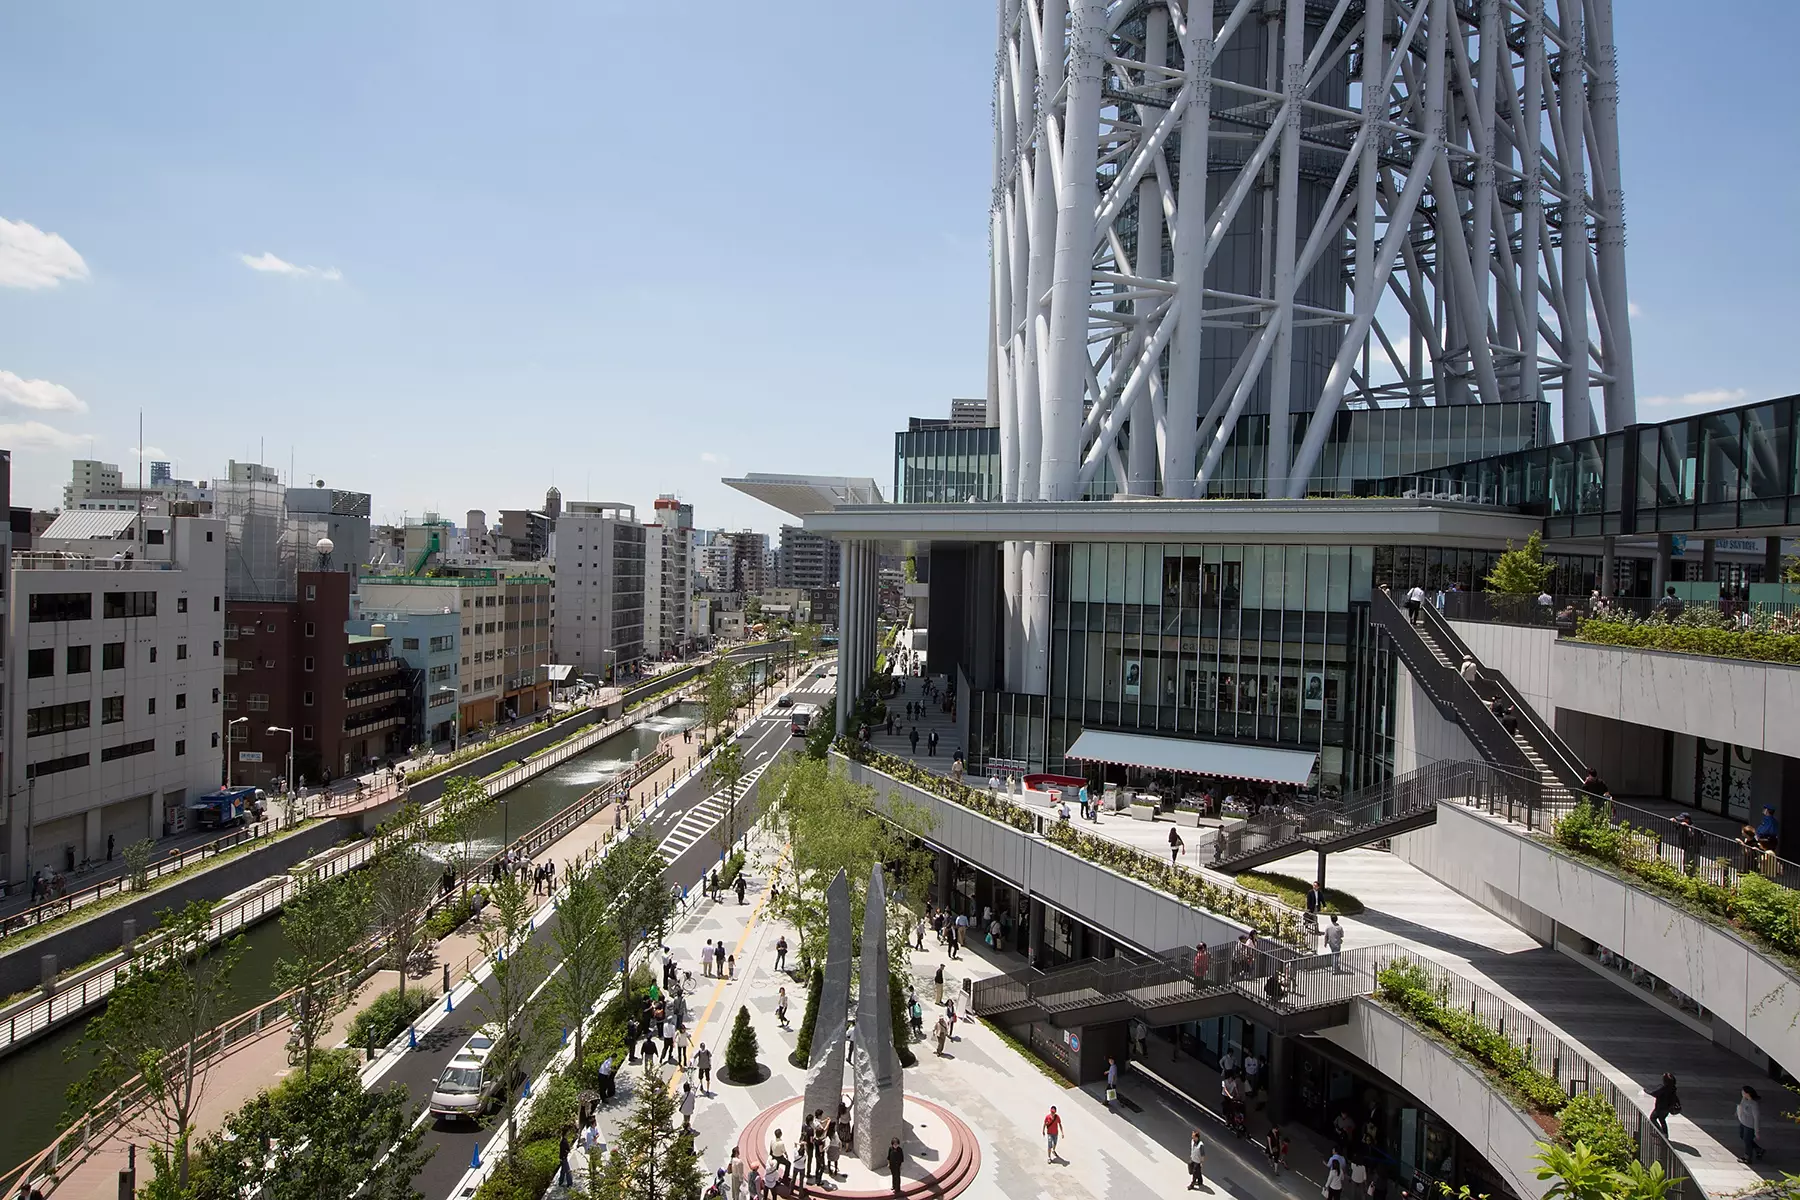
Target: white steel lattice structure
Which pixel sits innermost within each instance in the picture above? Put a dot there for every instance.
(1215, 225)
(1413, 250)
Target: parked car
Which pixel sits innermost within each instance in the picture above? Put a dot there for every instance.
(784, 701)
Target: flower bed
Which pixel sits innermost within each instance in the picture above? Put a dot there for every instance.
(975, 799)
(1409, 990)
(1769, 637)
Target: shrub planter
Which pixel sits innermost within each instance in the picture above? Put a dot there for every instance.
(1143, 812)
(1184, 815)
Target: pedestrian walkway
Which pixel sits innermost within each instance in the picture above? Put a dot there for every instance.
(999, 1090)
(1634, 1039)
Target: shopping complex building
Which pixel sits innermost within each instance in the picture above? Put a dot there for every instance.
(1264, 357)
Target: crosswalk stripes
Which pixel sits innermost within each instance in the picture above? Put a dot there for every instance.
(698, 821)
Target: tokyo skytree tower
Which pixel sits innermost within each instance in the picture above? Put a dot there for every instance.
(1218, 225)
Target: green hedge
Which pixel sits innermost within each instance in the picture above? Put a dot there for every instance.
(1761, 908)
(1410, 990)
(1590, 1119)
(1692, 639)
(448, 919)
(976, 799)
(733, 867)
(526, 1175)
(386, 1016)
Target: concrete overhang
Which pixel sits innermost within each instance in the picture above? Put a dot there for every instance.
(1298, 522)
(802, 495)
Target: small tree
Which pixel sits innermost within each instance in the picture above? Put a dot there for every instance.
(802, 1054)
(465, 801)
(137, 863)
(630, 875)
(324, 920)
(741, 1050)
(897, 1018)
(588, 945)
(508, 992)
(176, 993)
(725, 772)
(653, 1159)
(719, 695)
(321, 1135)
(1521, 571)
(400, 886)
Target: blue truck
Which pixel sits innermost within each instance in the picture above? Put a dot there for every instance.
(229, 806)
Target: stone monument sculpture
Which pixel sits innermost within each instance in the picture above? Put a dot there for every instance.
(876, 1108)
(825, 1064)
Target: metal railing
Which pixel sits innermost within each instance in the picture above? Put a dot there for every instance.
(1545, 1050)
(1694, 851)
(51, 560)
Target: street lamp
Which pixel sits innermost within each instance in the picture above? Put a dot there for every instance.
(290, 763)
(229, 725)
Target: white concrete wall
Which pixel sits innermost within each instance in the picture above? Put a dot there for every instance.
(1444, 857)
(1449, 1087)
(1519, 652)
(1422, 735)
(1487, 861)
(1720, 699)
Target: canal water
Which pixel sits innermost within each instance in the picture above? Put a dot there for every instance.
(44, 1072)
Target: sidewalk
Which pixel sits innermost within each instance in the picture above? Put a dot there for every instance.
(998, 1091)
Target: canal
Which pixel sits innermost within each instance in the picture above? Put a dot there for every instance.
(44, 1070)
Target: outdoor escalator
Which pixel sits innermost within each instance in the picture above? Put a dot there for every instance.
(1287, 990)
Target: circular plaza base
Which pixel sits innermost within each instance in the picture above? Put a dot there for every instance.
(942, 1155)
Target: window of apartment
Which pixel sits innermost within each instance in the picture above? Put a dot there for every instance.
(78, 660)
(112, 710)
(215, 598)
(466, 601)
(409, 643)
(128, 750)
(62, 606)
(180, 747)
(215, 695)
(128, 604)
(306, 664)
(153, 654)
(215, 741)
(312, 591)
(180, 700)
(153, 537)
(209, 534)
(231, 633)
(442, 642)
(306, 698)
(41, 664)
(310, 629)
(112, 656)
(215, 649)
(306, 733)
(57, 718)
(466, 631)
(259, 702)
(229, 703)
(181, 604)
(56, 766)
(465, 689)
(151, 710)
(180, 650)
(465, 660)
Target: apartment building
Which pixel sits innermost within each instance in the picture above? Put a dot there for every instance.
(668, 578)
(600, 561)
(807, 560)
(430, 646)
(115, 628)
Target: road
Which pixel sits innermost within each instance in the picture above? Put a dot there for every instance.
(681, 825)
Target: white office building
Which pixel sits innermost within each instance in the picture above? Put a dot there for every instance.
(599, 590)
(668, 577)
(114, 651)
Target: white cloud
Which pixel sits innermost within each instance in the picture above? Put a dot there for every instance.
(1632, 307)
(31, 258)
(280, 266)
(35, 435)
(707, 456)
(147, 452)
(1701, 401)
(39, 395)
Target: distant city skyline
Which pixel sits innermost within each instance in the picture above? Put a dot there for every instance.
(439, 255)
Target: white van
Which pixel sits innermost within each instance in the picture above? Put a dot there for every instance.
(467, 1088)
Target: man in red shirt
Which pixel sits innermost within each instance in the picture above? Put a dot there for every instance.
(1052, 1131)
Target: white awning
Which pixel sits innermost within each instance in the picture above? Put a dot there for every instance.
(1226, 760)
(558, 672)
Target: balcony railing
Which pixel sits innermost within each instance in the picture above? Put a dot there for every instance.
(51, 560)
(372, 724)
(373, 697)
(374, 668)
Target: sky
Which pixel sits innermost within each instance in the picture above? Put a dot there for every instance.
(451, 253)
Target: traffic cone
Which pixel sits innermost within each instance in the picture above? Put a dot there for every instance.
(475, 1159)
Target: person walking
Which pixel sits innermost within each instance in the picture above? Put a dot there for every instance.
(1749, 1120)
(931, 744)
(1202, 964)
(1469, 671)
(895, 1156)
(719, 959)
(740, 890)
(684, 1041)
(781, 1005)
(1176, 845)
(706, 959)
(1334, 1169)
(562, 1160)
(1276, 1148)
(736, 1174)
(1667, 1103)
(1112, 1084)
(687, 1106)
(1334, 942)
(1196, 1163)
(781, 949)
(1415, 599)
(1053, 1124)
(1315, 904)
(703, 1067)
(913, 737)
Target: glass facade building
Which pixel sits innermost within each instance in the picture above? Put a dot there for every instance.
(1263, 644)
(945, 464)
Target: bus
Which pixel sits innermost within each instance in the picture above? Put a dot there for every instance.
(801, 718)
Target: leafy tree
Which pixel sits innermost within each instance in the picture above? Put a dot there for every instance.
(726, 771)
(324, 920)
(897, 1018)
(809, 1020)
(1521, 571)
(321, 1135)
(588, 945)
(718, 698)
(1575, 1173)
(741, 1049)
(137, 863)
(465, 801)
(630, 875)
(401, 884)
(175, 994)
(653, 1159)
(508, 992)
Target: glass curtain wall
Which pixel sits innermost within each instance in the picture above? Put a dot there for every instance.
(947, 465)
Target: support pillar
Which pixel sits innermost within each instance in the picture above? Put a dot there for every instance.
(1772, 560)
(1659, 567)
(1034, 946)
(1609, 571)
(1275, 1079)
(1708, 561)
